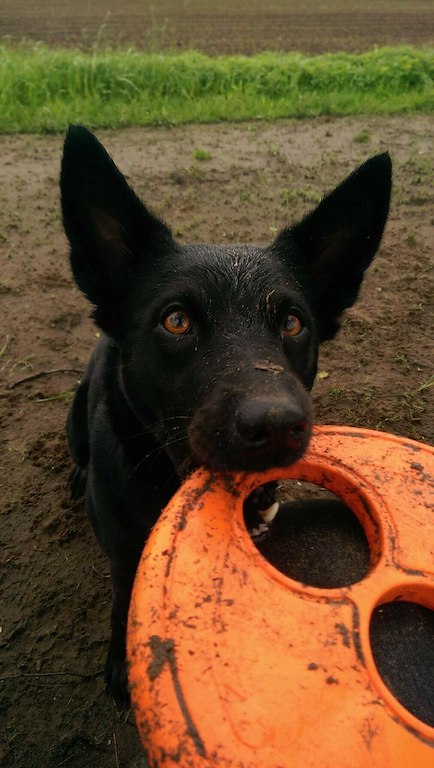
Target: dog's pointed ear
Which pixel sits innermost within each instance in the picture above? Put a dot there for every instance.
(110, 231)
(334, 244)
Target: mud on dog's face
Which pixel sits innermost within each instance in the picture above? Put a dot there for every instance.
(218, 343)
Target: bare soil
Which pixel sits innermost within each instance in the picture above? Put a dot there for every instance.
(245, 26)
(55, 587)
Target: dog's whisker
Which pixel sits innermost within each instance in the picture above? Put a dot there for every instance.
(157, 451)
(153, 428)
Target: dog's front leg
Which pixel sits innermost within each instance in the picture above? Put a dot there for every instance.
(122, 575)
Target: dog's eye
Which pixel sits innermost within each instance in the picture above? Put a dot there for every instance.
(292, 326)
(177, 322)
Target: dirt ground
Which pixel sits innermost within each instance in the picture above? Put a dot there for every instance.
(244, 26)
(55, 588)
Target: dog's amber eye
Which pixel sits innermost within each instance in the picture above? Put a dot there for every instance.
(177, 322)
(292, 326)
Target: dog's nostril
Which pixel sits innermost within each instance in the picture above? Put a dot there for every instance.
(254, 437)
(298, 430)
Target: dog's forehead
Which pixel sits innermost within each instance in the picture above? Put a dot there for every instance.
(234, 267)
(234, 255)
(223, 280)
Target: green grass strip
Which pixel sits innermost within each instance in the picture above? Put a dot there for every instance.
(43, 89)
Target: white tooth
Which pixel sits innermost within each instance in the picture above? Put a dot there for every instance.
(255, 532)
(269, 514)
(263, 527)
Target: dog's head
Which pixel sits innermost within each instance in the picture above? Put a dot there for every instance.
(218, 343)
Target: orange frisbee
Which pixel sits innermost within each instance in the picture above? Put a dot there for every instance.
(234, 664)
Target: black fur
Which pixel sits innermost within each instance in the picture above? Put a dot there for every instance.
(232, 392)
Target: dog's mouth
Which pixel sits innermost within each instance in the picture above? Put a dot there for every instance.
(260, 510)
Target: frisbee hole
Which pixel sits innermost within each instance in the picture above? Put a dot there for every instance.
(316, 538)
(402, 643)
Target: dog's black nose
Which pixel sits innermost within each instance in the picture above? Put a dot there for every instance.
(275, 427)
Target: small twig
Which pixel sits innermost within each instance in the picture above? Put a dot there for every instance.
(60, 396)
(115, 747)
(426, 385)
(100, 575)
(5, 345)
(49, 674)
(38, 375)
(66, 760)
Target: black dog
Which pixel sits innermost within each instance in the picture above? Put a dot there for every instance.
(208, 352)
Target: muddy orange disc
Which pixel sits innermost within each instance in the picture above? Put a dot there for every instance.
(232, 663)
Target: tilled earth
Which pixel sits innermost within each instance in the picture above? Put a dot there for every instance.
(245, 26)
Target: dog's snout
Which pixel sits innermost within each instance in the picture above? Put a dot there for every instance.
(270, 426)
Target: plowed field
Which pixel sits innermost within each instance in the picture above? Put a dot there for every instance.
(245, 26)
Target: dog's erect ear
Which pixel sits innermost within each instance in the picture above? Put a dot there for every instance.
(110, 231)
(334, 244)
